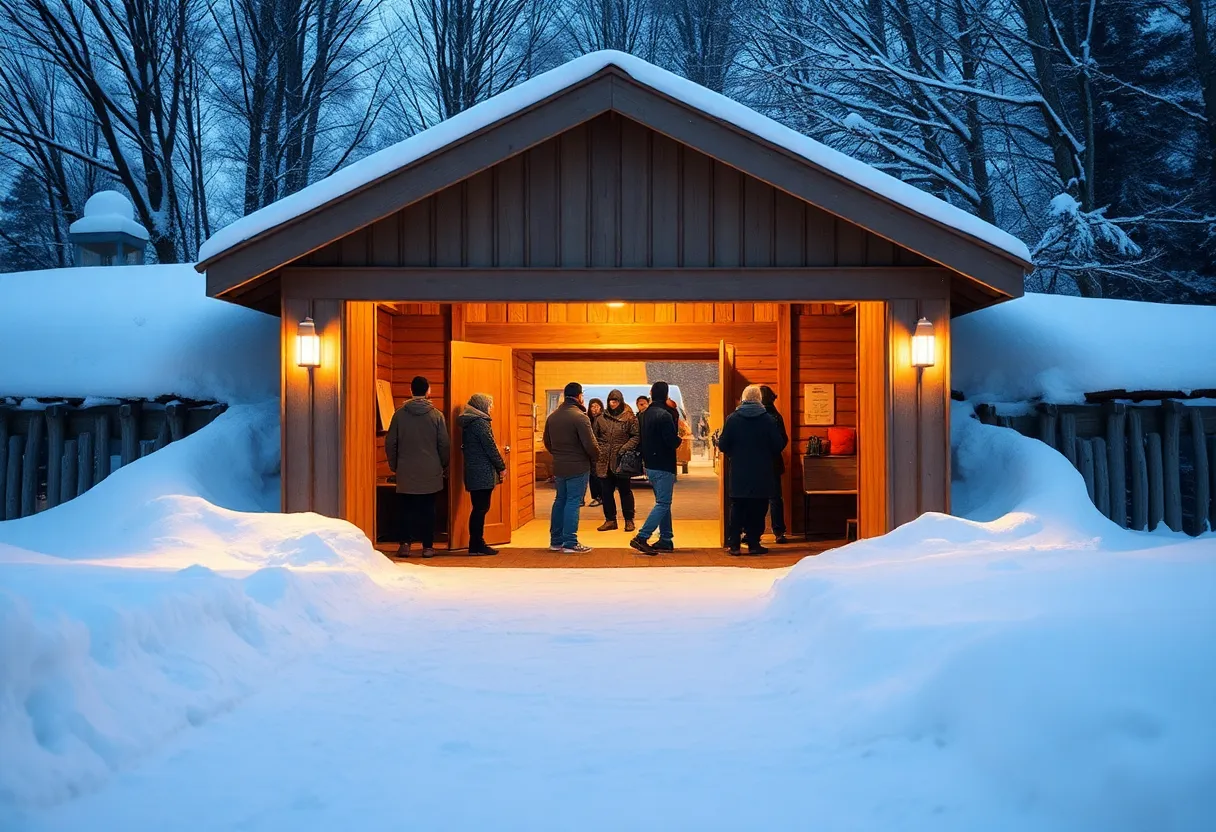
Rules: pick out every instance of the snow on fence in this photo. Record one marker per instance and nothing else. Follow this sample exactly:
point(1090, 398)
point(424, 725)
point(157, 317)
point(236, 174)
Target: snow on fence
point(52, 452)
point(1143, 464)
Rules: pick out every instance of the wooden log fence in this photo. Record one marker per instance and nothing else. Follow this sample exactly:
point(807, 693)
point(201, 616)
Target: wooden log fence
point(58, 451)
point(1143, 464)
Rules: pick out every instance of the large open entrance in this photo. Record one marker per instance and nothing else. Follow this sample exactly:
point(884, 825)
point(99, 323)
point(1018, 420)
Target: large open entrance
point(524, 353)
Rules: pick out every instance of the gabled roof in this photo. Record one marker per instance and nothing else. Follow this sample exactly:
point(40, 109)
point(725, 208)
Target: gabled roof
point(587, 87)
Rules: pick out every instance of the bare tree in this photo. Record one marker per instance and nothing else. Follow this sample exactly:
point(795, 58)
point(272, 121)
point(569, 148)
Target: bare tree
point(632, 26)
point(706, 39)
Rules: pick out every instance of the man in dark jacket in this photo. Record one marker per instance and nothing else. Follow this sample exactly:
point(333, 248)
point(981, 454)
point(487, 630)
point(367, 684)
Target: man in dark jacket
point(417, 447)
point(659, 441)
point(569, 439)
point(751, 440)
point(776, 503)
point(483, 466)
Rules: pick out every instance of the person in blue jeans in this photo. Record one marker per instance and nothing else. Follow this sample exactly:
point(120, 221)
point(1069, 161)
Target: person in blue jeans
point(660, 438)
point(569, 438)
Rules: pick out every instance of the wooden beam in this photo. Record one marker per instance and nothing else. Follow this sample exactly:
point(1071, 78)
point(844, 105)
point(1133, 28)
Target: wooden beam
point(873, 421)
point(453, 285)
point(667, 338)
point(406, 185)
point(787, 393)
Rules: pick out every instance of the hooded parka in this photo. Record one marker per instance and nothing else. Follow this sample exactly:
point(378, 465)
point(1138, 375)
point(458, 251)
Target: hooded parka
point(616, 433)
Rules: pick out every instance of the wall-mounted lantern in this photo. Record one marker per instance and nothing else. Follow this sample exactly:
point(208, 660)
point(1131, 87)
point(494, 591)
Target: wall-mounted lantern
point(924, 346)
point(616, 304)
point(308, 344)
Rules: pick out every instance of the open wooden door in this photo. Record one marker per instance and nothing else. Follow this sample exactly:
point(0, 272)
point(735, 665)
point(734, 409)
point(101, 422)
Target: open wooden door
point(481, 368)
point(724, 406)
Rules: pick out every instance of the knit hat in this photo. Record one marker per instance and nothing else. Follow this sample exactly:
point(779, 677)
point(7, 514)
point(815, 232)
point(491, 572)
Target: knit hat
point(659, 391)
point(481, 401)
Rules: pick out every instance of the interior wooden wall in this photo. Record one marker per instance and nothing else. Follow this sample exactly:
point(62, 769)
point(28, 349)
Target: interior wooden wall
point(824, 352)
point(523, 448)
point(627, 313)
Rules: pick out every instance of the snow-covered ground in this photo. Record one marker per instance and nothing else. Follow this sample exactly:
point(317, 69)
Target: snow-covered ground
point(192, 666)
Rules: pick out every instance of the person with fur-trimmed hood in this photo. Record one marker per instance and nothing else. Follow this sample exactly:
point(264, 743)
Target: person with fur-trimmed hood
point(483, 466)
point(616, 431)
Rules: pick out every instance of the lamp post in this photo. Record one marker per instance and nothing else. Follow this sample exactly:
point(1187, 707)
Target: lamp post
point(924, 345)
point(308, 344)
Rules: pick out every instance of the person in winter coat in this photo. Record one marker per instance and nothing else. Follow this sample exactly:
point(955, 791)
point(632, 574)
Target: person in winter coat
point(616, 431)
point(417, 447)
point(659, 440)
point(483, 466)
point(776, 503)
point(751, 440)
point(569, 439)
point(595, 409)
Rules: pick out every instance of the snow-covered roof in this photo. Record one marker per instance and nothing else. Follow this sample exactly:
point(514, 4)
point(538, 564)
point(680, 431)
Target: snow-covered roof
point(512, 101)
point(109, 212)
point(1058, 348)
point(132, 332)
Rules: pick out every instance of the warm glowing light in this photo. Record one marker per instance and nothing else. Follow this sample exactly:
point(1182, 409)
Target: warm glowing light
point(308, 344)
point(615, 304)
point(924, 345)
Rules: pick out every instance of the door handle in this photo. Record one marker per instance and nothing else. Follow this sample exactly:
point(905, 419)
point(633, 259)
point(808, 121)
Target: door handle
point(506, 449)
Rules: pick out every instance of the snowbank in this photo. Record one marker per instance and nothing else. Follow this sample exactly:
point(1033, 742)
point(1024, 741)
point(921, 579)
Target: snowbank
point(534, 90)
point(160, 598)
point(1059, 348)
point(132, 332)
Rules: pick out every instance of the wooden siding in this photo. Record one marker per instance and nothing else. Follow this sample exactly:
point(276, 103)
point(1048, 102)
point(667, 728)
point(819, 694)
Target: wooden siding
point(360, 358)
point(627, 313)
point(617, 194)
point(523, 449)
point(824, 352)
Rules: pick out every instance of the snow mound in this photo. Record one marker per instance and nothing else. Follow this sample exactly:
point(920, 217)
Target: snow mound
point(107, 212)
point(132, 332)
point(1034, 662)
point(1058, 348)
point(160, 598)
point(534, 90)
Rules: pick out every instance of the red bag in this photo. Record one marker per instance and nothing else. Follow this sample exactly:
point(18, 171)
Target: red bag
point(843, 441)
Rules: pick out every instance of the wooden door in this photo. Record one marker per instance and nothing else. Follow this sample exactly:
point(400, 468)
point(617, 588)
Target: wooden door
point(481, 368)
point(725, 405)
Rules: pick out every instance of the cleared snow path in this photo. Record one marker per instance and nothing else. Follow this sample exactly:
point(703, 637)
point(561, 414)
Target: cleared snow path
point(605, 699)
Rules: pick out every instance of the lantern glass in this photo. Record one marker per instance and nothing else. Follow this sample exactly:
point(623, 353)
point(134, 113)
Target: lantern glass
point(615, 304)
point(308, 344)
point(924, 345)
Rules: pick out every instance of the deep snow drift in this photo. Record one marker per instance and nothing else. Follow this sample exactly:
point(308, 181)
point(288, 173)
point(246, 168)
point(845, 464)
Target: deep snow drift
point(1059, 348)
point(132, 332)
point(1033, 667)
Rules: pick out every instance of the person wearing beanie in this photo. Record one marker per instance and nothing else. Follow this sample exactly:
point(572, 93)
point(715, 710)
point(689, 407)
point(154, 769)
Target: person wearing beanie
point(659, 438)
point(417, 447)
point(776, 503)
point(483, 466)
point(616, 431)
point(568, 437)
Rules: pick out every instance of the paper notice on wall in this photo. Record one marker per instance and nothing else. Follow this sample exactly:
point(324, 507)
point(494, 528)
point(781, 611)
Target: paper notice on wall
point(819, 404)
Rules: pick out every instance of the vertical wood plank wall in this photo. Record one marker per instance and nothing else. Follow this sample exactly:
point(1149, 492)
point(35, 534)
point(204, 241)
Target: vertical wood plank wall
point(825, 352)
point(524, 446)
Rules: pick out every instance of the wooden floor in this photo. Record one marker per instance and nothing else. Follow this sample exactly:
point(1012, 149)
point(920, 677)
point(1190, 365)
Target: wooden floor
point(780, 557)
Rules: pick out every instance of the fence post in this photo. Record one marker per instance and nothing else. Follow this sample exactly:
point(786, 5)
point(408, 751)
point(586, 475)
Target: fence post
point(1199, 458)
point(162, 435)
point(1047, 424)
point(12, 479)
point(146, 446)
point(54, 453)
point(67, 471)
point(101, 448)
point(1156, 482)
point(1085, 452)
point(1139, 472)
point(1116, 461)
point(1068, 436)
point(1101, 477)
point(85, 463)
point(128, 423)
point(176, 414)
point(1172, 416)
point(29, 465)
point(3, 457)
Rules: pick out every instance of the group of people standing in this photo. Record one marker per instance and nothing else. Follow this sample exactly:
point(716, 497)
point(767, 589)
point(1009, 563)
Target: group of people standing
point(602, 444)
point(607, 446)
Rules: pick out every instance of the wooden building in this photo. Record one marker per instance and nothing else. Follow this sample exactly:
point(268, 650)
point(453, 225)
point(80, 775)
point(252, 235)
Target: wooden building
point(611, 210)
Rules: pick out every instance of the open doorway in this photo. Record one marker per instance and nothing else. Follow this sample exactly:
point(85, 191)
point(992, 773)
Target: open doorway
point(523, 354)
